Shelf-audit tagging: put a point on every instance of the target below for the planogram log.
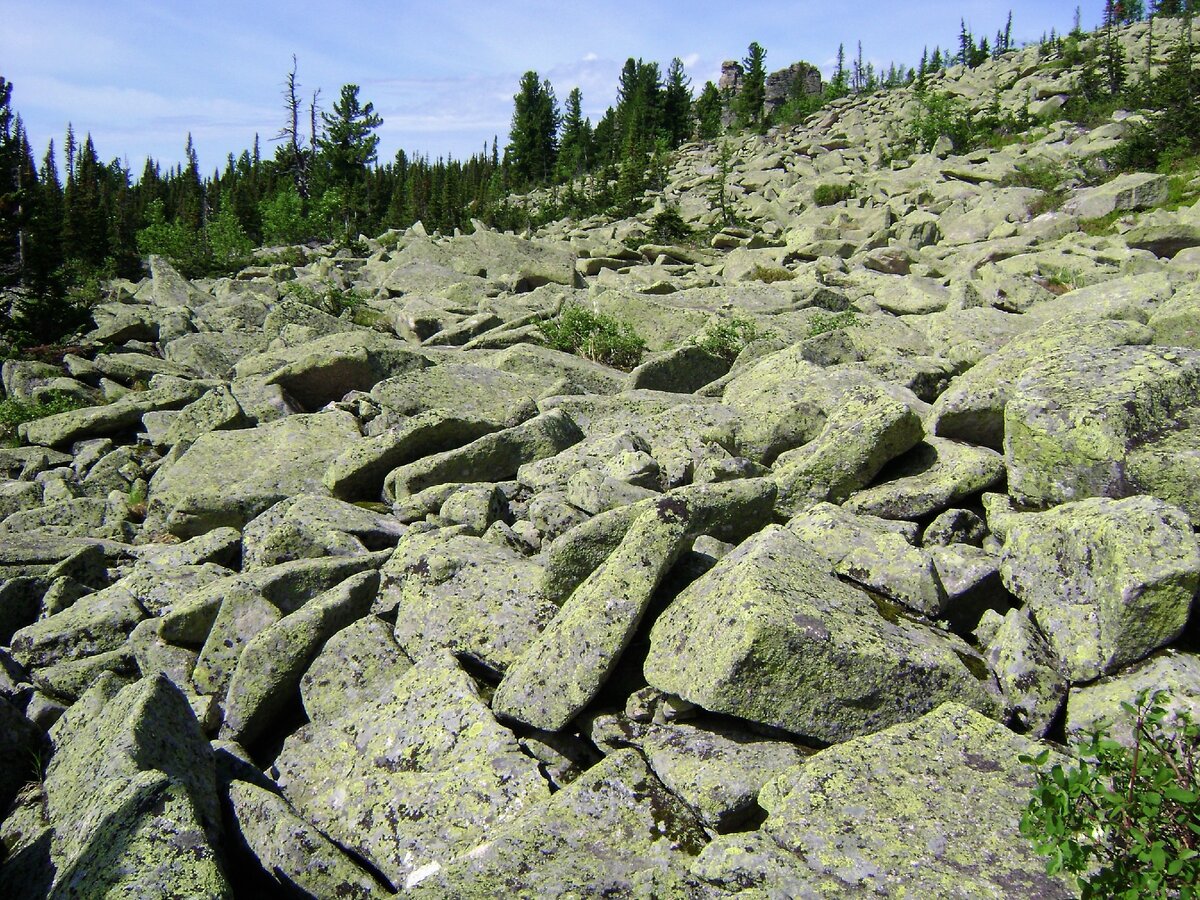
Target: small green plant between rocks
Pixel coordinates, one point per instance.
(823, 322)
(829, 194)
(1124, 821)
(595, 336)
(727, 338)
(13, 412)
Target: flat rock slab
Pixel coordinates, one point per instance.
(226, 478)
(930, 478)
(466, 594)
(923, 809)
(771, 635)
(615, 832)
(1108, 581)
(415, 775)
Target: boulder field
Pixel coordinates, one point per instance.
(405, 601)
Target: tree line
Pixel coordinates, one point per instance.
(63, 234)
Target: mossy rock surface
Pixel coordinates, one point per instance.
(1108, 581)
(928, 808)
(418, 773)
(770, 635)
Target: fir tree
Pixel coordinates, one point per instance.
(574, 152)
(347, 147)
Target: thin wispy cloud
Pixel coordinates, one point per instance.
(140, 74)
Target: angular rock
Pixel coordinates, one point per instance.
(1108, 581)
(874, 553)
(1176, 673)
(717, 771)
(493, 457)
(227, 478)
(866, 430)
(355, 665)
(934, 475)
(1028, 672)
(1074, 418)
(293, 853)
(466, 594)
(606, 835)
(413, 776)
(770, 635)
(268, 672)
(565, 666)
(849, 812)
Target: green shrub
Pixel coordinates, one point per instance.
(727, 338)
(1125, 821)
(939, 115)
(829, 194)
(771, 274)
(330, 300)
(13, 412)
(595, 336)
(823, 322)
(667, 227)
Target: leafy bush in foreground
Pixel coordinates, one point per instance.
(595, 336)
(1124, 821)
(727, 338)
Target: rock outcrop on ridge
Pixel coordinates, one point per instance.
(404, 600)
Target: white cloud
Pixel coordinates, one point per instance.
(590, 57)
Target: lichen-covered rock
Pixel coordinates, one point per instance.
(131, 794)
(121, 415)
(412, 776)
(729, 512)
(928, 808)
(268, 672)
(217, 410)
(716, 770)
(1028, 672)
(1134, 190)
(1074, 418)
(21, 743)
(876, 554)
(1107, 581)
(461, 391)
(359, 472)
(931, 477)
(226, 478)
(1172, 671)
(866, 429)
(355, 665)
(493, 457)
(972, 409)
(292, 852)
(94, 624)
(603, 835)
(308, 526)
(466, 594)
(770, 635)
(560, 672)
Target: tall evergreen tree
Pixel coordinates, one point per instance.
(753, 93)
(708, 112)
(348, 146)
(575, 147)
(85, 223)
(533, 142)
(10, 197)
(677, 105)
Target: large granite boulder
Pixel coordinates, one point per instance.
(770, 635)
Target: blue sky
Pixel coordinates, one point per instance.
(139, 75)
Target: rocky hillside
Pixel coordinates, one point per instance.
(344, 582)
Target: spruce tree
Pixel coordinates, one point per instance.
(533, 144)
(677, 105)
(10, 199)
(708, 112)
(749, 102)
(574, 152)
(347, 147)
